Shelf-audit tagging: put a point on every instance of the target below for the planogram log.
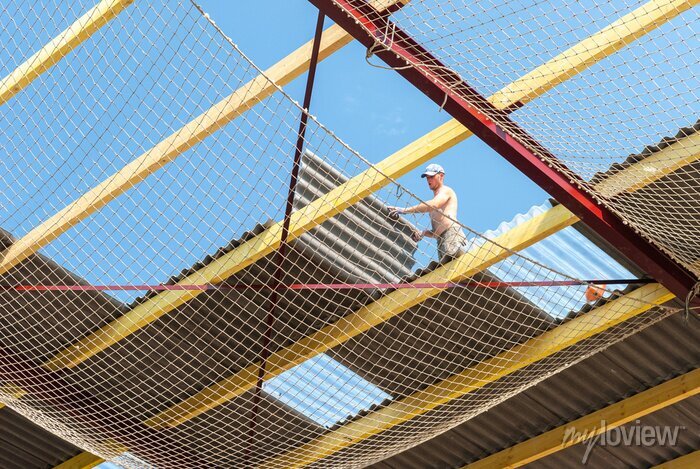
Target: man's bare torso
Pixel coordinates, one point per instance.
(438, 218)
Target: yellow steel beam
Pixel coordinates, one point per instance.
(605, 42)
(487, 371)
(564, 66)
(12, 390)
(167, 150)
(591, 425)
(396, 165)
(474, 261)
(82, 461)
(60, 46)
(681, 153)
(689, 461)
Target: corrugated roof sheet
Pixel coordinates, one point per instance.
(219, 332)
(381, 249)
(567, 251)
(649, 150)
(25, 445)
(666, 210)
(658, 353)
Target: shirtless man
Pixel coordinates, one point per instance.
(449, 235)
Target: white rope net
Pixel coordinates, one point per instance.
(609, 91)
(145, 174)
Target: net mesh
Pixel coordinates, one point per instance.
(146, 169)
(608, 91)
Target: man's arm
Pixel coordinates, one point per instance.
(420, 234)
(428, 206)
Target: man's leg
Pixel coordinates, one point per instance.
(451, 243)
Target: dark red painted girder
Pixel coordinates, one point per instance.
(447, 89)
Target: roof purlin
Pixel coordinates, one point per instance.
(606, 316)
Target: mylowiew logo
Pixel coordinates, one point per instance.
(635, 434)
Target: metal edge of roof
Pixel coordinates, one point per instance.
(648, 150)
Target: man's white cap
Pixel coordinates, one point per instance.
(432, 170)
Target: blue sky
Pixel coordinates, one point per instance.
(87, 126)
(376, 111)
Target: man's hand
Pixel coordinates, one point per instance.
(418, 235)
(394, 212)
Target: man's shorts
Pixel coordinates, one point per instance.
(451, 242)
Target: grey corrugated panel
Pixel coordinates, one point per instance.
(604, 378)
(25, 445)
(603, 460)
(175, 356)
(390, 246)
(315, 181)
(373, 208)
(309, 246)
(349, 249)
(45, 321)
(50, 320)
(671, 348)
(177, 347)
(334, 234)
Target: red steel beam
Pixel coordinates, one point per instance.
(447, 89)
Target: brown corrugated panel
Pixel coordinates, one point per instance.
(25, 445)
(647, 151)
(668, 209)
(442, 336)
(276, 426)
(654, 355)
(685, 416)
